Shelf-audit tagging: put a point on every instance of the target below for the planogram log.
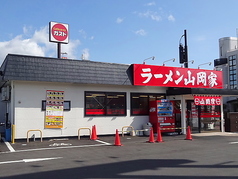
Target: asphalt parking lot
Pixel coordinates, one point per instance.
(206, 156)
(74, 142)
(127, 140)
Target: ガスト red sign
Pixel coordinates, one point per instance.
(59, 32)
(207, 100)
(151, 75)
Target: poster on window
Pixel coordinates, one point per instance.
(54, 109)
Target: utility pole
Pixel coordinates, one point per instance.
(183, 50)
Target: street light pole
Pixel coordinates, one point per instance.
(185, 49)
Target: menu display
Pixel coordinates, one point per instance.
(54, 109)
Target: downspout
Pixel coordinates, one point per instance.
(12, 105)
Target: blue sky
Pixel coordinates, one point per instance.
(119, 31)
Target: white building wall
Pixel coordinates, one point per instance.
(27, 97)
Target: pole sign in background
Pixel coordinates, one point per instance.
(152, 75)
(59, 32)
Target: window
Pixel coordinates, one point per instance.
(232, 72)
(67, 105)
(105, 104)
(140, 102)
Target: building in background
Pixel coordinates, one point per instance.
(227, 62)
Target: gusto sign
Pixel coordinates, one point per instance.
(59, 32)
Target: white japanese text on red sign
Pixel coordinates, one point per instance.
(200, 78)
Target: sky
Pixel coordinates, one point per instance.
(119, 31)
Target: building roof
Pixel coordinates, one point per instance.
(33, 68)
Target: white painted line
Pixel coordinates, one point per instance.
(40, 159)
(16, 161)
(233, 142)
(103, 142)
(30, 160)
(59, 144)
(53, 148)
(8, 145)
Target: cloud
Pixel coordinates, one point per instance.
(83, 33)
(156, 16)
(36, 44)
(171, 18)
(119, 20)
(85, 54)
(151, 14)
(200, 38)
(140, 32)
(150, 4)
(71, 49)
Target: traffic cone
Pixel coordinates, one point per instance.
(151, 139)
(117, 139)
(188, 134)
(159, 137)
(94, 133)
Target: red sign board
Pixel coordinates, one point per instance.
(59, 32)
(151, 75)
(207, 100)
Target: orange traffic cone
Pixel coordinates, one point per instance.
(159, 137)
(188, 134)
(94, 133)
(117, 139)
(151, 139)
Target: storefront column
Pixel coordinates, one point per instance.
(222, 116)
(183, 115)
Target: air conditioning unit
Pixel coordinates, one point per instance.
(220, 61)
(5, 93)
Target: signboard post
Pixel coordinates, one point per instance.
(58, 33)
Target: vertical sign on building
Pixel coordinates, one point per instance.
(54, 109)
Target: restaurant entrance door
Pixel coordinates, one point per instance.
(205, 118)
(192, 116)
(210, 118)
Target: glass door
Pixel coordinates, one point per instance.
(210, 118)
(192, 116)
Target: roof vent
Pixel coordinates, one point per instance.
(83, 57)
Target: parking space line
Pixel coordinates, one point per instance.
(103, 142)
(54, 148)
(233, 142)
(30, 160)
(8, 145)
